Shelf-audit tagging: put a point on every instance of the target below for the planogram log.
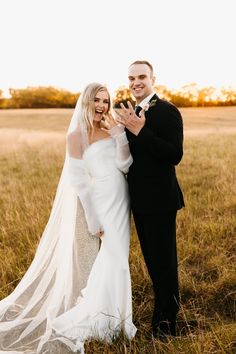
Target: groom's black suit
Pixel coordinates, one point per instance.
(155, 198)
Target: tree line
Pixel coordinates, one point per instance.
(51, 97)
(39, 97)
(187, 96)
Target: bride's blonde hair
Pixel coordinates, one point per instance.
(87, 104)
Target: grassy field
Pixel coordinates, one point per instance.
(32, 148)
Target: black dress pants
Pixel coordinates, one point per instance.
(157, 236)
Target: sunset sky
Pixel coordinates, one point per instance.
(69, 43)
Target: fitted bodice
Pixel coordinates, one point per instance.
(99, 158)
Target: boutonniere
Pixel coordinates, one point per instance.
(149, 104)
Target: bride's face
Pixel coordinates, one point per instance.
(101, 103)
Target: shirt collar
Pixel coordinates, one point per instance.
(146, 100)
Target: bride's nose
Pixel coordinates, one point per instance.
(101, 105)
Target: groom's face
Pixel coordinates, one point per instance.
(141, 81)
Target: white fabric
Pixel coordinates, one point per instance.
(116, 130)
(81, 182)
(64, 259)
(123, 157)
(105, 307)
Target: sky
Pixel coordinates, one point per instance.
(69, 43)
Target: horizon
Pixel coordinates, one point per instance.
(6, 94)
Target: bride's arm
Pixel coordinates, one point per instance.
(123, 156)
(80, 181)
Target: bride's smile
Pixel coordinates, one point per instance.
(101, 103)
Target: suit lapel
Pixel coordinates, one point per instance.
(132, 136)
(149, 111)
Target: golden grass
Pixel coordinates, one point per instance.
(31, 156)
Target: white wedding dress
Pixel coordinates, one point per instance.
(103, 308)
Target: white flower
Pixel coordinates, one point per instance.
(149, 104)
(146, 106)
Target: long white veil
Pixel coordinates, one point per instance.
(59, 270)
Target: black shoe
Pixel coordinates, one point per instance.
(163, 329)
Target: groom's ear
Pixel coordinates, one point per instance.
(153, 80)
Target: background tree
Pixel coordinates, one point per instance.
(122, 95)
(42, 97)
(50, 97)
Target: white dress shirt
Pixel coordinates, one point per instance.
(146, 100)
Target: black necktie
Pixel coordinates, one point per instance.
(138, 110)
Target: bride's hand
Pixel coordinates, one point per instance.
(100, 233)
(108, 122)
(111, 126)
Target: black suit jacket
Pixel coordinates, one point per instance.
(156, 150)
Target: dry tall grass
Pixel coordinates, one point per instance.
(31, 157)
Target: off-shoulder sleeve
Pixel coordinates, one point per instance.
(80, 181)
(123, 156)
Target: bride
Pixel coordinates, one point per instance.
(78, 285)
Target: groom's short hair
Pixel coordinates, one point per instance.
(143, 62)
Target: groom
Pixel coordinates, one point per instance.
(155, 134)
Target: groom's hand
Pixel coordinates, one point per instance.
(128, 118)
